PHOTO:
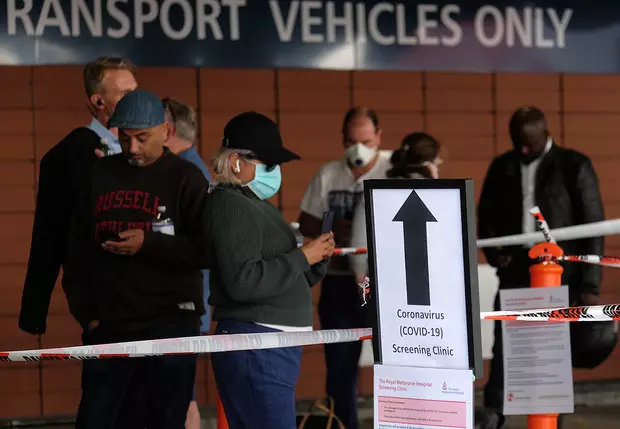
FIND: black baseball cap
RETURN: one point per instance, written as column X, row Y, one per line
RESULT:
column 259, row 134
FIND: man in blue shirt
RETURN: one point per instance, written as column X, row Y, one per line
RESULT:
column 181, row 138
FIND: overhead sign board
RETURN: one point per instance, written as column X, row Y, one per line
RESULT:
column 509, row 36
column 423, row 273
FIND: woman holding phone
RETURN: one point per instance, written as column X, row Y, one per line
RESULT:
column 417, row 158
column 260, row 279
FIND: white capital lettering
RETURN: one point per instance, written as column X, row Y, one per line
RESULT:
column 58, row 20
column 451, row 24
column 234, row 6
column 425, row 23
column 401, row 27
column 560, row 26
column 498, row 26
column 373, row 24
column 514, row 24
column 93, row 19
column 210, row 19
column 13, row 14
column 307, row 21
column 334, row 21
column 539, row 23
column 188, row 19
column 361, row 22
column 121, row 18
column 141, row 18
column 285, row 30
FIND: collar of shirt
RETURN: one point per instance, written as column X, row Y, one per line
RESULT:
column 106, row 136
column 528, row 186
column 534, row 164
column 548, row 146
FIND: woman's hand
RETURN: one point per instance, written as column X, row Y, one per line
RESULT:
column 319, row 248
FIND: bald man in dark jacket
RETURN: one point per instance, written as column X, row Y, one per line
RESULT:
column 564, row 185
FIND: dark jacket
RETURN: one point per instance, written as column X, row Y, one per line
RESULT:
column 63, row 171
column 567, row 193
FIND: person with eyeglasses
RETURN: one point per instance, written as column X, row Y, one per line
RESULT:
column 260, row 279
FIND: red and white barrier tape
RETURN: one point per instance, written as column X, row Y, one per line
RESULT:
column 541, row 224
column 237, row 342
column 592, row 313
column 191, row 345
column 343, row 251
column 606, row 261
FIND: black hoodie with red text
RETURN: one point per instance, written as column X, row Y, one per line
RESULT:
column 161, row 283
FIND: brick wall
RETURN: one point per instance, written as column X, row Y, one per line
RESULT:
column 467, row 112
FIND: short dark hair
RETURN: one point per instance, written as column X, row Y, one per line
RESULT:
column 94, row 71
column 357, row 112
column 415, row 149
column 523, row 116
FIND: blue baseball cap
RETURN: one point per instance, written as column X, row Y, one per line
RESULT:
column 138, row 109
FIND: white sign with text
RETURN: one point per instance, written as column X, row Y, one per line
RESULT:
column 418, row 398
column 538, row 373
column 420, row 279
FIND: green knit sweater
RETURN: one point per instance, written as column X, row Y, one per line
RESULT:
column 257, row 272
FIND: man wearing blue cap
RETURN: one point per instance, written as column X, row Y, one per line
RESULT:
column 134, row 273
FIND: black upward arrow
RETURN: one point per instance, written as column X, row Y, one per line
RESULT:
column 414, row 215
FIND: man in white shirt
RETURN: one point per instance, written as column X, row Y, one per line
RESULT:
column 337, row 187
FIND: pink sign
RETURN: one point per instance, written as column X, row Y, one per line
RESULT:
column 447, row 414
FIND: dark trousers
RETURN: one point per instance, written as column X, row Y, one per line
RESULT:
column 149, row 392
column 340, row 307
column 494, row 389
column 257, row 387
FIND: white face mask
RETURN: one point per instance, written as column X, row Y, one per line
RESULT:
column 360, row 155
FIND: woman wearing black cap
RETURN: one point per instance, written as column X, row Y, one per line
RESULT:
column 417, row 158
column 260, row 279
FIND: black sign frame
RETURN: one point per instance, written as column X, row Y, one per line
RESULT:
column 470, row 259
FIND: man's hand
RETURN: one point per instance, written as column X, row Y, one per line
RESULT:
column 92, row 325
column 130, row 244
column 99, row 153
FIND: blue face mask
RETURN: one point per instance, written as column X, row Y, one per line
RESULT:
column 266, row 183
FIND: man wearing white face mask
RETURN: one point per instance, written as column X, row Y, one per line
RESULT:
column 338, row 186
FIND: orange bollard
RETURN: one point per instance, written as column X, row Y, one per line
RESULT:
column 546, row 273
column 222, row 423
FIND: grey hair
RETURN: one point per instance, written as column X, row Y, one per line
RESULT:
column 221, row 164
column 182, row 117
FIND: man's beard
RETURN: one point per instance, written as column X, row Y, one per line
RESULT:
column 134, row 162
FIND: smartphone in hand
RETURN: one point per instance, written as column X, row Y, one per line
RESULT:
column 328, row 222
column 109, row 236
